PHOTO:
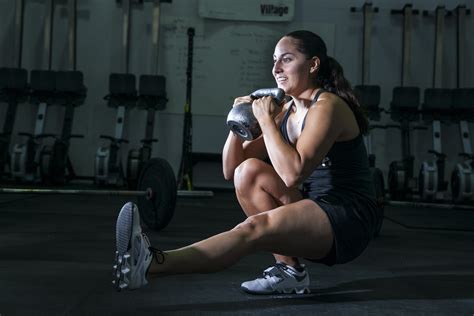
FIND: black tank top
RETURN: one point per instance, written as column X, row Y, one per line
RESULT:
column 344, row 171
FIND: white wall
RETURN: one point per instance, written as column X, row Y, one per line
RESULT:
column 99, row 34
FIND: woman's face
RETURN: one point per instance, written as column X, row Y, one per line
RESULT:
column 293, row 72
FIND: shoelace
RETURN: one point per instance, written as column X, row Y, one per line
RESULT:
column 156, row 253
column 276, row 270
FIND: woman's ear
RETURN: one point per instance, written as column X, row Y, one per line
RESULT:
column 315, row 62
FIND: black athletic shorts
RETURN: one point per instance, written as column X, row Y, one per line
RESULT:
column 352, row 221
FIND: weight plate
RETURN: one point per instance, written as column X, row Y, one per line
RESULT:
column 157, row 211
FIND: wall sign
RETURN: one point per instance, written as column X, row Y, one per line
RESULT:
column 248, row 10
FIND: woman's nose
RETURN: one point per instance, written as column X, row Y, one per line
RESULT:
column 276, row 67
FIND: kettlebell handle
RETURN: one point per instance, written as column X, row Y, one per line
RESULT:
column 241, row 119
column 277, row 93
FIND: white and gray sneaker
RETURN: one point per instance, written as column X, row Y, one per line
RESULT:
column 133, row 256
column 280, row 278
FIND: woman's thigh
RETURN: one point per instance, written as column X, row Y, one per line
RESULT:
column 300, row 229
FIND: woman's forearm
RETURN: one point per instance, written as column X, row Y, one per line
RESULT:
column 232, row 155
column 285, row 159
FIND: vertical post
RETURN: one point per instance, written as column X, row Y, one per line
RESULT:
column 150, row 119
column 72, row 12
column 19, row 14
column 407, row 22
column 466, row 142
column 155, row 36
column 126, row 33
column 439, row 37
column 460, row 30
column 367, row 11
column 48, row 32
column 406, row 145
column 186, row 166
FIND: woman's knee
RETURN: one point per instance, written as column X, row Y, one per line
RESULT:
column 246, row 173
column 254, row 228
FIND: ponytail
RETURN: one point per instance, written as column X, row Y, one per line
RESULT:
column 331, row 78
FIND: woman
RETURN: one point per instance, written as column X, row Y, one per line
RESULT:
column 315, row 200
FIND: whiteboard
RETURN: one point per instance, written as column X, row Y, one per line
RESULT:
column 230, row 59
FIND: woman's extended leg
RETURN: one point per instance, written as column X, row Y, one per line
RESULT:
column 300, row 229
column 259, row 188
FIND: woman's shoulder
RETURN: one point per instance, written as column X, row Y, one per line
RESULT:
column 328, row 97
column 339, row 113
column 327, row 101
column 330, row 101
column 331, row 109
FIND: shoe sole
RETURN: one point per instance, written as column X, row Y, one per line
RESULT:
column 123, row 235
column 301, row 290
column 304, row 290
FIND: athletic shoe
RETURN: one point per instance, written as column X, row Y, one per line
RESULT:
column 133, row 256
column 280, row 278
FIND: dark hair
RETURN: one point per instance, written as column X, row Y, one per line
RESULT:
column 330, row 76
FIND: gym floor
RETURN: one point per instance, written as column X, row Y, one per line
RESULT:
column 57, row 251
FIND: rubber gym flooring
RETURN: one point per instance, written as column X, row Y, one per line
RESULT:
column 57, row 251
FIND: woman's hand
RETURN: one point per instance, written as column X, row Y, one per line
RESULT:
column 265, row 108
column 244, row 99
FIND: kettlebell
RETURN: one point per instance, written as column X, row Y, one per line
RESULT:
column 241, row 119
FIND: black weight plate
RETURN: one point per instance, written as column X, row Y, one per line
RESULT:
column 158, row 175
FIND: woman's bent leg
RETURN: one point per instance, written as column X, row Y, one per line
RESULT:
column 259, row 189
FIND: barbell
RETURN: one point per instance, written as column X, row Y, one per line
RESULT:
column 156, row 193
column 148, row 193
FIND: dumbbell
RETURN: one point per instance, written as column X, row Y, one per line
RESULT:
column 241, row 119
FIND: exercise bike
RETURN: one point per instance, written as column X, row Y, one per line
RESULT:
column 152, row 98
column 462, row 177
column 108, row 162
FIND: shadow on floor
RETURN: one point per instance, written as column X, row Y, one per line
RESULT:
column 413, row 287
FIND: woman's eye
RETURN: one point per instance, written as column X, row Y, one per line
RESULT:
column 284, row 60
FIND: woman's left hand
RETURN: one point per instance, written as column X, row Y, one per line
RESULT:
column 265, row 108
